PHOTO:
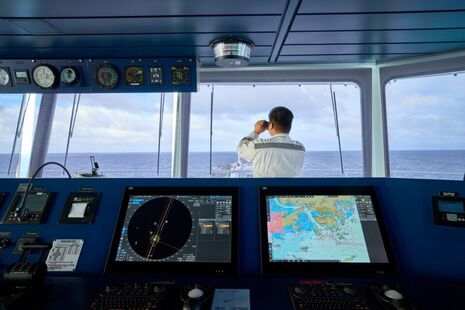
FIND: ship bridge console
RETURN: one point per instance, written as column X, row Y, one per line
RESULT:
column 106, row 241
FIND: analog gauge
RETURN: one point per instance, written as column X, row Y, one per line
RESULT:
column 134, row 76
column 106, row 76
column 180, row 75
column 45, row 76
column 69, row 76
column 4, row 77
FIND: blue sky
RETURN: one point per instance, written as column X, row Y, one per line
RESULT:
column 423, row 113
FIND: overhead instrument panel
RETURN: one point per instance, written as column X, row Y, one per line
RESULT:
column 98, row 75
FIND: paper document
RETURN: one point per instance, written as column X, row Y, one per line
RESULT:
column 77, row 210
column 231, row 299
column 64, row 254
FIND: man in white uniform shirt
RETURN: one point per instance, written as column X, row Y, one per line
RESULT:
column 278, row 156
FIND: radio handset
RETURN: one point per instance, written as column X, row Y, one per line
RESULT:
column 24, row 274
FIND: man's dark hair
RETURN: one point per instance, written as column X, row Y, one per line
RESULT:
column 282, row 118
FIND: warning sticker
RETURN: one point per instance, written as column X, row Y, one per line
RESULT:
column 64, row 254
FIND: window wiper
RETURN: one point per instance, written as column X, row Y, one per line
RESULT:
column 336, row 124
column 72, row 123
column 19, row 126
column 160, row 127
column 211, row 125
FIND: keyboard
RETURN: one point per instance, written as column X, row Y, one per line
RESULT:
column 134, row 296
column 327, row 296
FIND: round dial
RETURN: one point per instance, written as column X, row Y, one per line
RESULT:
column 4, row 77
column 45, row 76
column 106, row 76
column 69, row 76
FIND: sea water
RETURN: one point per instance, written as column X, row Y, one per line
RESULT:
column 443, row 164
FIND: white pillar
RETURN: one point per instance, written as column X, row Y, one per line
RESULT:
column 181, row 121
column 42, row 133
column 378, row 143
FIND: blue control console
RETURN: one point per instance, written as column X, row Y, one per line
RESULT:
column 421, row 249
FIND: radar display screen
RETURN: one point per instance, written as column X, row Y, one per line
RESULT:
column 180, row 75
column 325, row 226
column 176, row 228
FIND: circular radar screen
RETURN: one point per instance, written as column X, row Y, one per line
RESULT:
column 106, row 76
column 159, row 228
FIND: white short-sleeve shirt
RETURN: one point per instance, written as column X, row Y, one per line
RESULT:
column 278, row 156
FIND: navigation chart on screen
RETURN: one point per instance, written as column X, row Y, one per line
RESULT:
column 316, row 228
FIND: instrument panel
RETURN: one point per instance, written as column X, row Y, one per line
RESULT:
column 98, row 75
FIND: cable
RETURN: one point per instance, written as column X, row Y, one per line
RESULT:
column 20, row 207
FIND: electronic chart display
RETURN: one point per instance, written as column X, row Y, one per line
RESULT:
column 335, row 228
column 176, row 229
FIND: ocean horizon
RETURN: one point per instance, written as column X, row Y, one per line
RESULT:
column 426, row 164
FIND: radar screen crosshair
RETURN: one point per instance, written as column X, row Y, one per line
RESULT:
column 159, row 228
column 176, row 228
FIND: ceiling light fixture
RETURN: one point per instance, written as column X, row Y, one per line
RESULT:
column 231, row 52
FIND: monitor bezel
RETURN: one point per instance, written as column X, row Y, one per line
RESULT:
column 113, row 266
column 309, row 268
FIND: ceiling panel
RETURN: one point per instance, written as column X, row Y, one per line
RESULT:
column 85, row 41
column 379, row 21
column 316, row 59
column 7, row 27
column 210, row 61
column 167, row 24
column 367, row 37
column 125, row 52
column 322, row 31
column 67, row 8
column 370, row 48
column 345, row 6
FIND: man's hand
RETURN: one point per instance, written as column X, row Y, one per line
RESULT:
column 260, row 126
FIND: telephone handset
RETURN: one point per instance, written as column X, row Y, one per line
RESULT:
column 23, row 274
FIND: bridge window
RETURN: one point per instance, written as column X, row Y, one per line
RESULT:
column 17, row 120
column 120, row 130
column 236, row 108
column 426, row 127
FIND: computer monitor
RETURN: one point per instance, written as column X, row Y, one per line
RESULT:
column 307, row 230
column 176, row 230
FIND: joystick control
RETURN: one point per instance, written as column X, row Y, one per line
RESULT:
column 195, row 293
column 196, row 297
